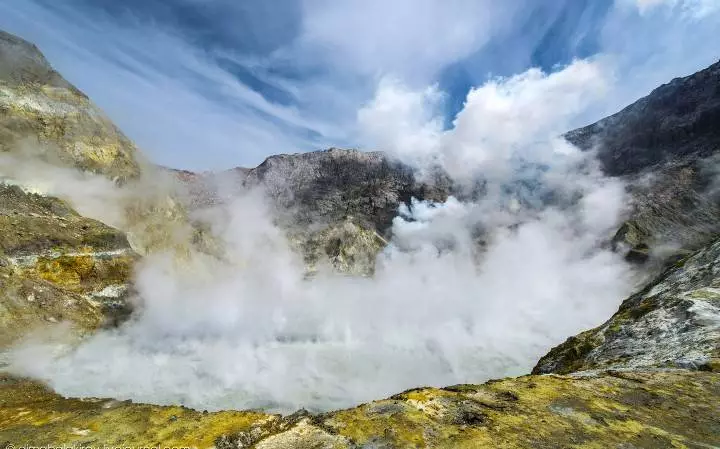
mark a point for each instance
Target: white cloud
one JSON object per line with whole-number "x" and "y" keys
{"x": 696, "y": 9}
{"x": 409, "y": 39}
{"x": 516, "y": 117}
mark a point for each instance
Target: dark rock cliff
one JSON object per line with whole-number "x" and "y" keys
{"x": 665, "y": 147}
{"x": 677, "y": 121}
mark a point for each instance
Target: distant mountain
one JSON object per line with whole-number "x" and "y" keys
{"x": 678, "y": 121}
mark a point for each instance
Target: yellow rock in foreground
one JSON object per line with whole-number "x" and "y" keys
{"x": 652, "y": 409}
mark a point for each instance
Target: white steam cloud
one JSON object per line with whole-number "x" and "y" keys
{"x": 465, "y": 292}
{"x": 517, "y": 117}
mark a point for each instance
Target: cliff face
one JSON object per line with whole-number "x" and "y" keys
{"x": 665, "y": 146}
{"x": 336, "y": 205}
{"x": 328, "y": 186}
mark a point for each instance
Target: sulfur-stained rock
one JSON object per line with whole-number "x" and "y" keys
{"x": 40, "y": 108}
{"x": 58, "y": 267}
{"x": 346, "y": 246}
{"x": 645, "y": 409}
{"x": 30, "y": 414}
{"x": 29, "y": 305}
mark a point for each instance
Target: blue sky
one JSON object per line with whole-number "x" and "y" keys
{"x": 210, "y": 84}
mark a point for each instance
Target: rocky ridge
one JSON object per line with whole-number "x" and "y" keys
{"x": 665, "y": 147}
{"x": 644, "y": 409}
{"x": 38, "y": 107}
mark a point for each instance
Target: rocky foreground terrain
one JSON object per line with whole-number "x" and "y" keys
{"x": 649, "y": 377}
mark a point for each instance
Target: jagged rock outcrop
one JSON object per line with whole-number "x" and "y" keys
{"x": 57, "y": 267}
{"x": 40, "y": 109}
{"x": 328, "y": 186}
{"x": 337, "y": 205}
{"x": 665, "y": 147}
{"x": 678, "y": 120}
{"x": 348, "y": 247}
{"x": 609, "y": 409}
{"x": 673, "y": 322}
{"x": 323, "y": 187}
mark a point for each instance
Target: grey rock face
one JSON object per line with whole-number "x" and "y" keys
{"x": 673, "y": 322}
{"x": 665, "y": 147}
{"x": 328, "y": 186}
{"x": 678, "y": 120}
{"x": 324, "y": 187}
{"x": 336, "y": 205}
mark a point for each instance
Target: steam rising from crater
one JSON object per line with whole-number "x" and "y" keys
{"x": 466, "y": 290}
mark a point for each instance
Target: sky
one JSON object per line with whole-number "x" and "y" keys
{"x": 213, "y": 84}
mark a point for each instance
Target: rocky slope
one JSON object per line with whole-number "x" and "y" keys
{"x": 665, "y": 146}
{"x": 57, "y": 267}
{"x": 647, "y": 378}
{"x": 41, "y": 110}
{"x": 673, "y": 322}
{"x": 676, "y": 121}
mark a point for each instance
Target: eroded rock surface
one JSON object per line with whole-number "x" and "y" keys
{"x": 41, "y": 110}
{"x": 665, "y": 146}
{"x": 673, "y": 322}
{"x": 336, "y": 205}
{"x": 57, "y": 266}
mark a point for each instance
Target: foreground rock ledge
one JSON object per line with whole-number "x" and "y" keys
{"x": 651, "y": 409}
